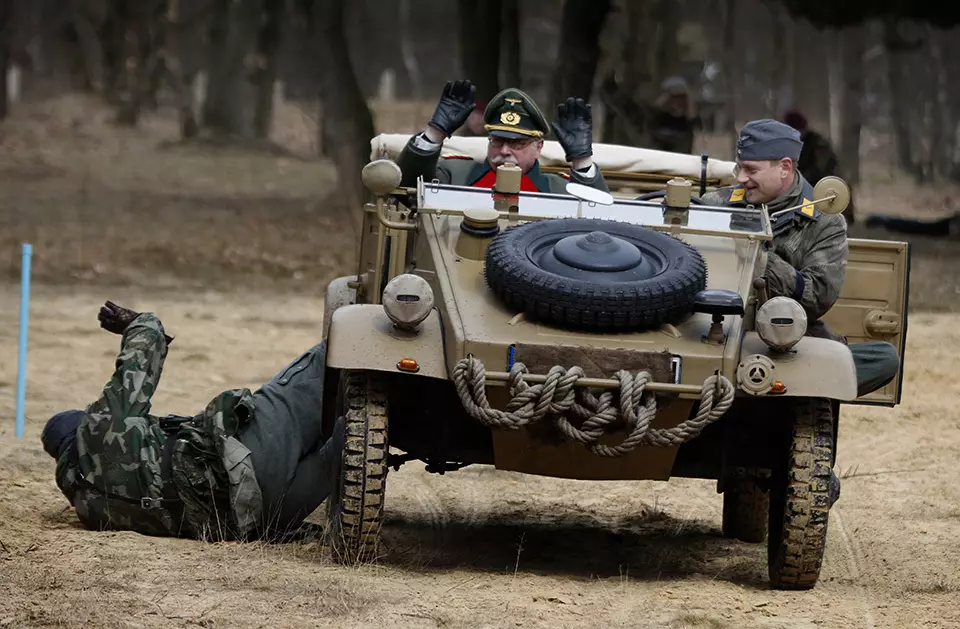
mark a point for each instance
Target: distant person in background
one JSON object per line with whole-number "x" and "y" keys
{"x": 818, "y": 159}
{"x": 674, "y": 119}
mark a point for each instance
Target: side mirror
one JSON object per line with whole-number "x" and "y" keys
{"x": 586, "y": 193}
{"x": 837, "y": 193}
{"x": 381, "y": 176}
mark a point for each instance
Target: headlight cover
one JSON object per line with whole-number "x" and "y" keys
{"x": 781, "y": 322}
{"x": 407, "y": 300}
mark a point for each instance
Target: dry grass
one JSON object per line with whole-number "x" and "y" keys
{"x": 233, "y": 249}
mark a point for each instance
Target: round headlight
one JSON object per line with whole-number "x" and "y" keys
{"x": 407, "y": 300}
{"x": 781, "y": 323}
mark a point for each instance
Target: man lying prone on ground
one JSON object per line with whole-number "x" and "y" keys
{"x": 250, "y": 465}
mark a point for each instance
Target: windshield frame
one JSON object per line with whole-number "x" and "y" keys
{"x": 424, "y": 206}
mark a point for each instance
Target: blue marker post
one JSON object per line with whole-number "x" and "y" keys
{"x": 22, "y": 349}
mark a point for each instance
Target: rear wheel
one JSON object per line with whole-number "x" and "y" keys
{"x": 356, "y": 505}
{"x": 746, "y": 506}
{"x": 800, "y": 498}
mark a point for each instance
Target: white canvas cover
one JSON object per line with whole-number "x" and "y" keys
{"x": 609, "y": 157}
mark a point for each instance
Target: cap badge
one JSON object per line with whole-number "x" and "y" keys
{"x": 510, "y": 118}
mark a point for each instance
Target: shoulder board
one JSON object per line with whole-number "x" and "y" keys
{"x": 564, "y": 175}
{"x": 808, "y": 211}
{"x": 458, "y": 157}
{"x": 732, "y": 196}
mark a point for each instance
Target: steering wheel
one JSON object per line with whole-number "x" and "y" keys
{"x": 661, "y": 193}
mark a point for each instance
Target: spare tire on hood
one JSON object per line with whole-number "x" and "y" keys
{"x": 595, "y": 274}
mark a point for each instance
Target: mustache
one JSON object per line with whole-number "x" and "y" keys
{"x": 503, "y": 159}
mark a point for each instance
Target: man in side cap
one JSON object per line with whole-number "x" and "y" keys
{"x": 250, "y": 465}
{"x": 808, "y": 258}
{"x": 516, "y": 129}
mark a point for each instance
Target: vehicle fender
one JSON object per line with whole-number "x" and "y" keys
{"x": 815, "y": 367}
{"x": 361, "y": 336}
{"x": 338, "y": 294}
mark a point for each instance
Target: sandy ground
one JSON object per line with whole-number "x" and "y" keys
{"x": 475, "y": 548}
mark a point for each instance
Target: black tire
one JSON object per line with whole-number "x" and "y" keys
{"x": 591, "y": 299}
{"x": 746, "y": 507}
{"x": 800, "y": 498}
{"x": 355, "y": 507}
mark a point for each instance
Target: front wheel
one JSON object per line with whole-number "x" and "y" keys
{"x": 800, "y": 498}
{"x": 355, "y": 508}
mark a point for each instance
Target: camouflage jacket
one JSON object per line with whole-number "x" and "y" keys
{"x": 114, "y": 476}
{"x": 416, "y": 162}
{"x": 808, "y": 257}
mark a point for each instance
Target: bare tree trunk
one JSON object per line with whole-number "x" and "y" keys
{"x": 155, "y": 63}
{"x": 135, "y": 16}
{"x": 407, "y": 52}
{"x": 480, "y": 44}
{"x": 347, "y": 118}
{"x": 268, "y": 48}
{"x": 667, "y": 58}
{"x": 510, "y": 43}
{"x": 788, "y": 82}
{"x": 112, "y": 33}
{"x": 778, "y": 43}
{"x": 230, "y": 94}
{"x": 899, "y": 99}
{"x": 941, "y": 140}
{"x": 852, "y": 48}
{"x": 835, "y": 81}
{"x": 732, "y": 70}
{"x": 579, "y": 48}
{"x": 91, "y": 49}
{"x": 181, "y": 84}
{"x": 6, "y": 35}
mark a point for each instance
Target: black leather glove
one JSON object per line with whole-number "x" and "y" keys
{"x": 116, "y": 319}
{"x": 456, "y": 103}
{"x": 574, "y": 128}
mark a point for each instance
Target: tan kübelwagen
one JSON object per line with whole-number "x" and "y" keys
{"x": 596, "y": 337}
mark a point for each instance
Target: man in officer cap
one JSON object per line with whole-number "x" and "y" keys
{"x": 516, "y": 129}
{"x": 808, "y": 257}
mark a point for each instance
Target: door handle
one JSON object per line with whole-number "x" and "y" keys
{"x": 881, "y": 323}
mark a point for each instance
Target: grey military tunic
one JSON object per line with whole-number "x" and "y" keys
{"x": 417, "y": 162}
{"x": 808, "y": 262}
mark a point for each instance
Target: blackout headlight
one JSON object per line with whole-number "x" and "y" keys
{"x": 407, "y": 300}
{"x": 781, "y": 323}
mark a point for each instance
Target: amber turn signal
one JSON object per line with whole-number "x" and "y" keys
{"x": 778, "y": 387}
{"x": 408, "y": 364}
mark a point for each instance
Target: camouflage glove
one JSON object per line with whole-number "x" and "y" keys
{"x": 116, "y": 319}
{"x": 455, "y": 106}
{"x": 574, "y": 128}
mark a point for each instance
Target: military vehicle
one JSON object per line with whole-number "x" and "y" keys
{"x": 593, "y": 336}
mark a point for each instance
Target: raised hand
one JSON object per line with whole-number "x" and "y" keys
{"x": 456, "y": 103}
{"x": 574, "y": 128}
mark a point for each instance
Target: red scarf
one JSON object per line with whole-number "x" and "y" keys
{"x": 490, "y": 178}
